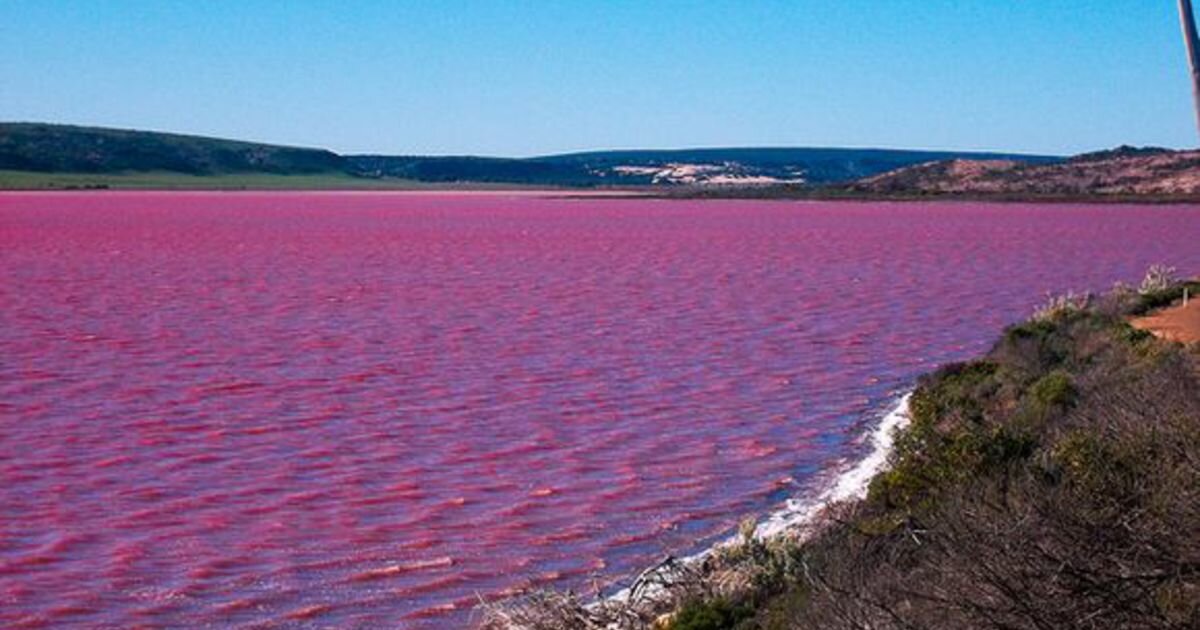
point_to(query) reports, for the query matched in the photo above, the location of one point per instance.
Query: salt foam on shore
(848, 483)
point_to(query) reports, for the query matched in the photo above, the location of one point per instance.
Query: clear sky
(527, 78)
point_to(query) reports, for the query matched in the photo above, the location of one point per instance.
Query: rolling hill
(69, 149)
(771, 165)
(1126, 171)
(39, 155)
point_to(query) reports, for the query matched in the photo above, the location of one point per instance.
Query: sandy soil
(1178, 323)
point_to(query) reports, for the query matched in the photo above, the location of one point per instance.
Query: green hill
(69, 149)
(37, 155)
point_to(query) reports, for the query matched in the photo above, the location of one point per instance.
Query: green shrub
(1156, 299)
(1134, 336)
(1118, 469)
(1038, 329)
(1005, 445)
(714, 614)
(957, 388)
(1054, 390)
(1080, 456)
(1052, 481)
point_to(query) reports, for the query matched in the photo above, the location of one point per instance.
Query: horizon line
(210, 136)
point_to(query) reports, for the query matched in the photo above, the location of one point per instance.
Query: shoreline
(987, 471)
(655, 193)
(833, 194)
(801, 516)
(651, 592)
(398, 191)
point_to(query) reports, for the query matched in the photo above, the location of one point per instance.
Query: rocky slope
(1122, 171)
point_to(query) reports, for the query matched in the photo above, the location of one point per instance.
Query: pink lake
(362, 410)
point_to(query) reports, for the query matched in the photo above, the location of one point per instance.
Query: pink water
(363, 409)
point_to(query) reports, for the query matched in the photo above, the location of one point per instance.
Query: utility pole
(1193, 50)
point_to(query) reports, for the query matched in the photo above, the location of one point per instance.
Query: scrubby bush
(1166, 297)
(1053, 484)
(1118, 301)
(716, 614)
(1158, 278)
(1053, 390)
(1161, 287)
(1058, 306)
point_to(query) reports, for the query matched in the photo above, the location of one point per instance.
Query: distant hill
(447, 169)
(733, 166)
(1120, 171)
(774, 165)
(67, 149)
(70, 149)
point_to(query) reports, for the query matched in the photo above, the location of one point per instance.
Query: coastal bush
(1158, 278)
(1053, 390)
(1032, 349)
(1052, 483)
(951, 435)
(1118, 302)
(1165, 297)
(1059, 306)
(1160, 286)
(1136, 336)
(1056, 486)
(716, 614)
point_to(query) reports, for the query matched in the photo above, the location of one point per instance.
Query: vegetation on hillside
(117, 158)
(69, 149)
(446, 169)
(165, 180)
(162, 180)
(1052, 483)
(814, 165)
(1124, 171)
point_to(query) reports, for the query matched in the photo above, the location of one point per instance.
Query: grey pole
(1193, 50)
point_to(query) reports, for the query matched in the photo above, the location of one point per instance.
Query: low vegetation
(41, 156)
(1052, 483)
(70, 149)
(1120, 173)
(165, 180)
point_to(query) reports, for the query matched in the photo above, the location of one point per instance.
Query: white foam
(850, 481)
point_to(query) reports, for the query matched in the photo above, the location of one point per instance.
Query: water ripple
(263, 410)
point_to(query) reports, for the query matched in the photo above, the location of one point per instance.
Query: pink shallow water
(363, 409)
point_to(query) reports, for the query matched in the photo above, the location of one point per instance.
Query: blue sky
(527, 78)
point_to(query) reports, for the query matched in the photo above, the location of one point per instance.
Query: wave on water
(848, 482)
